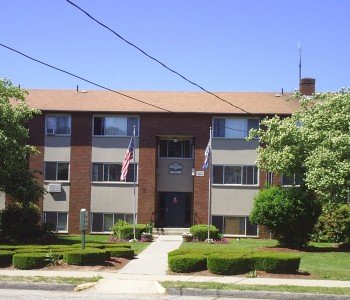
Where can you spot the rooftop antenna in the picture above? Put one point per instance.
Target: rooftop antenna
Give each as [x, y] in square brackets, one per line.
[299, 50]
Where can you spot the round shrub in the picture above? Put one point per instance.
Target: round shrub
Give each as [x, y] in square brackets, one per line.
[5, 258]
[229, 264]
[200, 232]
[187, 263]
[26, 261]
[85, 257]
[290, 213]
[276, 262]
[120, 252]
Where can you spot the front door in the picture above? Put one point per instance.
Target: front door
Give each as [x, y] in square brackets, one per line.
[174, 209]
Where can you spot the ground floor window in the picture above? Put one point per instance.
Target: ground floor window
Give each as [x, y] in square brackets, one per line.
[58, 221]
[103, 222]
[235, 225]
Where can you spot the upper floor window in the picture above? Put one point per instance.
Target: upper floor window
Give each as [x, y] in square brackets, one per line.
[111, 172]
[56, 171]
[115, 125]
[294, 180]
[234, 128]
[239, 175]
[58, 124]
[175, 148]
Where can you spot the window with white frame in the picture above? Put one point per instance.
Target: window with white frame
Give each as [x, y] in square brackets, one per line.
[234, 128]
[103, 222]
[115, 125]
[57, 171]
[110, 172]
[294, 180]
[58, 125]
[235, 225]
[235, 174]
[57, 221]
[175, 148]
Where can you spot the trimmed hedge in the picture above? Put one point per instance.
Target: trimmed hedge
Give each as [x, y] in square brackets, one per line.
[26, 261]
[200, 232]
[85, 257]
[187, 263]
[5, 258]
[119, 252]
[276, 262]
[231, 264]
[124, 231]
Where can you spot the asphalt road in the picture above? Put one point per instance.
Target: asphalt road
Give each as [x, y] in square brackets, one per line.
[7, 294]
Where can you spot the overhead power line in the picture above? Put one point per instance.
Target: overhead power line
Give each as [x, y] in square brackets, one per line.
[153, 58]
[81, 78]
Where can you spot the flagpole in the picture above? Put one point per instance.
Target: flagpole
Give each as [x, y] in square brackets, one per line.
[209, 182]
[134, 195]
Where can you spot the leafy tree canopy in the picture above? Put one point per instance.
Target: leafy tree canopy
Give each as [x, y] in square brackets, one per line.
[15, 178]
[314, 142]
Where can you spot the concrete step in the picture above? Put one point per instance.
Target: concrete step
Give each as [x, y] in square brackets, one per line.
[170, 231]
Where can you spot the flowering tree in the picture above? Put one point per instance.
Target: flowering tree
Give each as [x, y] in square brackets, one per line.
[314, 142]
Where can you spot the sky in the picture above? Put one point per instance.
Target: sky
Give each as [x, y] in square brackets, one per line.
[227, 45]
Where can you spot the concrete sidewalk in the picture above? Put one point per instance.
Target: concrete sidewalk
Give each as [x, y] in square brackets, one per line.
[142, 275]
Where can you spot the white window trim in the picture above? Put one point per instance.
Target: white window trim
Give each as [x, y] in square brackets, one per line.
[57, 162]
[232, 138]
[115, 136]
[59, 115]
[236, 184]
[114, 182]
[172, 158]
[103, 220]
[58, 212]
[245, 227]
[289, 185]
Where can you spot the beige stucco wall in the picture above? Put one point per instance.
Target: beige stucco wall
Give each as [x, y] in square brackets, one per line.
[232, 201]
[2, 200]
[175, 183]
[112, 149]
[57, 201]
[112, 198]
[234, 151]
[57, 148]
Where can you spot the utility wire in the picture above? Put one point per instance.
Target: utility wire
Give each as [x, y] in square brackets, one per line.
[83, 79]
[155, 59]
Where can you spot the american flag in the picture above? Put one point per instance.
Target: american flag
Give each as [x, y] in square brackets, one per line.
[206, 157]
[128, 157]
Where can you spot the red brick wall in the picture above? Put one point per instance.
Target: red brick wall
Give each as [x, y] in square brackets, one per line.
[80, 168]
[153, 125]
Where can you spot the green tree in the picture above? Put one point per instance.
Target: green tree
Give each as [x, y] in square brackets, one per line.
[16, 179]
[314, 142]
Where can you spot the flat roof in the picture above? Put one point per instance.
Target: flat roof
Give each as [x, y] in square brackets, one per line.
[161, 101]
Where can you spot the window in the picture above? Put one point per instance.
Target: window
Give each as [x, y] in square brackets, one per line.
[102, 222]
[235, 225]
[60, 125]
[234, 128]
[294, 180]
[115, 126]
[175, 148]
[57, 221]
[239, 175]
[269, 178]
[56, 171]
[111, 172]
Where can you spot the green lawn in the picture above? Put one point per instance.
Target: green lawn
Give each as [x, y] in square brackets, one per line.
[321, 260]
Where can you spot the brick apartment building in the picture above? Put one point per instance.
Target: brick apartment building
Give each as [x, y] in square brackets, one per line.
[82, 137]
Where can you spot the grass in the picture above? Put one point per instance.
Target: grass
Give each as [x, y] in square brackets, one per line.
[320, 260]
[56, 279]
[269, 288]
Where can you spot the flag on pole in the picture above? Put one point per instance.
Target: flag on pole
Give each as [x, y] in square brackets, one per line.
[128, 157]
[206, 157]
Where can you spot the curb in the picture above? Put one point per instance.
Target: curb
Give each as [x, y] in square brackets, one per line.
[252, 294]
[37, 286]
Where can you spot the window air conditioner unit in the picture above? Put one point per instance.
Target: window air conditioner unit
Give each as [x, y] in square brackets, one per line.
[50, 131]
[54, 188]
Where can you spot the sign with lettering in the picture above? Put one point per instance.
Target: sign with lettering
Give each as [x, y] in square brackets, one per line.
[175, 168]
[199, 173]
